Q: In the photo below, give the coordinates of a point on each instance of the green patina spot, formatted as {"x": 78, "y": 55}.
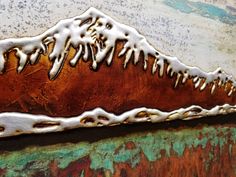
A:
{"x": 179, "y": 148}
{"x": 203, "y": 9}
{"x": 233, "y": 134}
{"x": 102, "y": 154}
{"x": 77, "y": 153}
{"x": 126, "y": 155}
{"x": 153, "y": 145}
{"x": 200, "y": 142}
{"x": 40, "y": 157}
{"x": 105, "y": 153}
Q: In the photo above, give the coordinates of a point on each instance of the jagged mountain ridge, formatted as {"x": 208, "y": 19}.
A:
{"x": 93, "y": 29}
{"x": 96, "y": 33}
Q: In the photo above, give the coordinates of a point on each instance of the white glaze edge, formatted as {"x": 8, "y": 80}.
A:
{"x": 68, "y": 33}
{"x": 22, "y": 123}
{"x": 29, "y": 48}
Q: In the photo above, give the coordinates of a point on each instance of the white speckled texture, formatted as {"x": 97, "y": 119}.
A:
{"x": 12, "y": 123}
{"x": 83, "y": 33}
{"x": 197, "y": 40}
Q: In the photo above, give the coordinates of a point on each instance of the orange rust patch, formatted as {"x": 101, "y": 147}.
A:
{"x": 113, "y": 88}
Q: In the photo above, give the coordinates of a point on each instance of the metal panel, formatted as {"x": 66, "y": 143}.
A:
{"x": 179, "y": 148}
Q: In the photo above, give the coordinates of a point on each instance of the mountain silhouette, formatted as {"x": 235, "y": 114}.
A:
{"x": 120, "y": 78}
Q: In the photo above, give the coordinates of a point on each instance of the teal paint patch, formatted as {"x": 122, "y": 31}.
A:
{"x": 203, "y": 9}
{"x": 102, "y": 155}
{"x": 78, "y": 152}
{"x": 153, "y": 145}
{"x": 179, "y": 148}
{"x": 41, "y": 157}
{"x": 105, "y": 153}
{"x": 132, "y": 156}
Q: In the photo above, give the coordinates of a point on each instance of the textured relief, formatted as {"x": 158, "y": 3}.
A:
{"x": 93, "y": 71}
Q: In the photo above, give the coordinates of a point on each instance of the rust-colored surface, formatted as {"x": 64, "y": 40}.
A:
{"x": 205, "y": 148}
{"x": 113, "y": 88}
{"x": 192, "y": 163}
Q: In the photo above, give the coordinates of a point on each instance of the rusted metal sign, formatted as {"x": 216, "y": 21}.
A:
{"x": 91, "y": 71}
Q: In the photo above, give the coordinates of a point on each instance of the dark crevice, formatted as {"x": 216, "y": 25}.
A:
{"x": 2, "y": 129}
{"x": 99, "y": 133}
{"x": 46, "y": 124}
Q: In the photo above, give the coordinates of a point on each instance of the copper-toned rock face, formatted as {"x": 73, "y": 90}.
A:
{"x": 93, "y": 71}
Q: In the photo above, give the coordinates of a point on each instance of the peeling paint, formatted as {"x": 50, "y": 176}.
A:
{"x": 105, "y": 154}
